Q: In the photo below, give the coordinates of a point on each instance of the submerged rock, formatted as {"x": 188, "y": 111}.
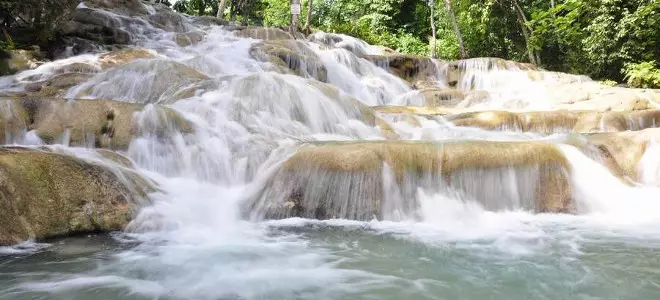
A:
{"x": 45, "y": 195}
{"x": 364, "y": 180}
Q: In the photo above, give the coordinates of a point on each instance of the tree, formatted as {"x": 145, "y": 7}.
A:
{"x": 309, "y": 15}
{"x": 457, "y": 29}
{"x": 432, "y": 18}
{"x": 221, "y": 9}
{"x": 294, "y": 18}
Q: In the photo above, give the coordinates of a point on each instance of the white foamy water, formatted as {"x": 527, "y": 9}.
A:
{"x": 191, "y": 240}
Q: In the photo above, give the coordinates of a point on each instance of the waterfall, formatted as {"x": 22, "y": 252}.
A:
{"x": 241, "y": 139}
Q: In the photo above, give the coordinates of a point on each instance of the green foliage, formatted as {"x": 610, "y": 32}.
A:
{"x": 247, "y": 12}
{"x": 598, "y": 37}
{"x": 608, "y": 82}
{"x": 642, "y": 75}
{"x": 5, "y": 46}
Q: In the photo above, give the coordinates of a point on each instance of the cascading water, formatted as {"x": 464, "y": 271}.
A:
{"x": 258, "y": 143}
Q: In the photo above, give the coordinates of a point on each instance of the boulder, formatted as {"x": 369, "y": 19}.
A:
{"x": 365, "y": 180}
{"x": 291, "y": 55}
{"x": 97, "y": 26}
{"x": 45, "y": 195}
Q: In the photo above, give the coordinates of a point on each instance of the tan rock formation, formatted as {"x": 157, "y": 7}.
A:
{"x": 291, "y": 55}
{"x": 99, "y": 123}
{"x": 121, "y": 57}
{"x": 347, "y": 180}
{"x": 262, "y": 33}
{"x": 45, "y": 195}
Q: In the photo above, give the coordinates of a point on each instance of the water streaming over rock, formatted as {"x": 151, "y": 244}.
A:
{"x": 414, "y": 199}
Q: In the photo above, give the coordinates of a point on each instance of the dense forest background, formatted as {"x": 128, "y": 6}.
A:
{"x": 606, "y": 39}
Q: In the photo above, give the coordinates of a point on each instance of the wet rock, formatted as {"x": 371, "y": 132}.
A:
{"x": 558, "y": 121}
{"x": 594, "y": 96}
{"x": 142, "y": 81}
{"x": 354, "y": 45}
{"x": 167, "y": 20}
{"x": 45, "y": 195}
{"x": 58, "y": 85}
{"x": 425, "y": 83}
{"x": 188, "y": 38}
{"x": 416, "y": 110}
{"x": 621, "y": 152}
{"x": 292, "y": 55}
{"x": 97, "y": 26}
{"x": 98, "y": 123}
{"x": 13, "y": 61}
{"x": 442, "y": 97}
{"x": 407, "y": 67}
{"x": 346, "y": 179}
{"x": 78, "y": 67}
{"x": 262, "y": 33}
{"x": 121, "y": 57}
{"x": 123, "y": 7}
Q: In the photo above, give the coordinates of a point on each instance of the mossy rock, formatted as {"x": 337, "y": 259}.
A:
{"x": 407, "y": 67}
{"x": 121, "y": 57}
{"x": 622, "y": 151}
{"x": 262, "y": 33}
{"x": 559, "y": 121}
{"x": 291, "y": 55}
{"x": 162, "y": 81}
{"x": 346, "y": 179}
{"x": 98, "y": 123}
{"x": 45, "y": 195}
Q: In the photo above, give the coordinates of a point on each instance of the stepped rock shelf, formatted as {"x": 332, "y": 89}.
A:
{"x": 342, "y": 129}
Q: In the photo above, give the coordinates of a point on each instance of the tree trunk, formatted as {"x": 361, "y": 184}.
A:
{"x": 37, "y": 14}
{"x": 552, "y": 3}
{"x": 294, "y": 19}
{"x": 433, "y": 42}
{"x": 308, "y": 22}
{"x": 222, "y": 4}
{"x": 202, "y": 7}
{"x": 461, "y": 45}
{"x": 526, "y": 31}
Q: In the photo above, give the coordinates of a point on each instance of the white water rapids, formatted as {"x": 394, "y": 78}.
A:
{"x": 192, "y": 242}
